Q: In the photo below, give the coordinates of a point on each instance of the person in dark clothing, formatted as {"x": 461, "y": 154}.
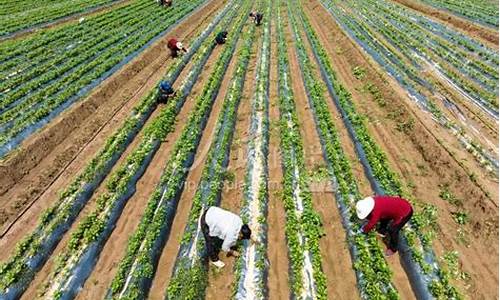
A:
{"x": 257, "y": 17}
{"x": 390, "y": 212}
{"x": 165, "y": 91}
{"x": 175, "y": 46}
{"x": 221, "y": 37}
{"x": 221, "y": 230}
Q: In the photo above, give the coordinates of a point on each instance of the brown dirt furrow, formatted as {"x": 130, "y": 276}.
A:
{"x": 169, "y": 254}
{"x": 485, "y": 34}
{"x": 277, "y": 251}
{"x": 423, "y": 159}
{"x": 44, "y": 157}
{"x": 220, "y": 283}
{"x": 337, "y": 263}
{"x": 130, "y": 217}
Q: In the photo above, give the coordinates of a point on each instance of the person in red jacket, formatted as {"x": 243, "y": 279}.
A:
{"x": 391, "y": 212}
{"x": 175, "y": 46}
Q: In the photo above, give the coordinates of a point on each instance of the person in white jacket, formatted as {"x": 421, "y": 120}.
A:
{"x": 222, "y": 229}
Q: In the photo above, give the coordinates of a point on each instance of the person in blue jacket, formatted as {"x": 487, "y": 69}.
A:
{"x": 165, "y": 91}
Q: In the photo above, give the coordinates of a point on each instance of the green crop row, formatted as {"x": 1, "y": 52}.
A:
{"x": 482, "y": 12}
{"x": 408, "y": 78}
{"x": 251, "y": 264}
{"x": 303, "y": 224}
{"x": 374, "y": 275}
{"x": 387, "y": 179}
{"x": 189, "y": 279}
{"x": 14, "y": 19}
{"x": 65, "y": 208}
{"x": 396, "y": 27}
{"x": 56, "y": 87}
{"x": 139, "y": 261}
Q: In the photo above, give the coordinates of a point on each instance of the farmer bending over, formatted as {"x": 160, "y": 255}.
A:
{"x": 222, "y": 229}
{"x": 392, "y": 213}
{"x": 165, "y": 91}
{"x": 175, "y": 46}
{"x": 257, "y": 17}
{"x": 221, "y": 37}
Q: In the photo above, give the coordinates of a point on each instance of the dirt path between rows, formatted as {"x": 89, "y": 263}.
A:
{"x": 171, "y": 248}
{"x": 220, "y": 283}
{"x": 485, "y": 34}
{"x": 43, "y": 158}
{"x": 419, "y": 156}
{"x": 277, "y": 250}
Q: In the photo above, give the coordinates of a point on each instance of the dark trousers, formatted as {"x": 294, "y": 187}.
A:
{"x": 213, "y": 243}
{"x": 174, "y": 53}
{"x": 392, "y": 232}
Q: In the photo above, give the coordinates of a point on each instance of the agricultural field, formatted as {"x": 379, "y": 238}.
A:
{"x": 287, "y": 124}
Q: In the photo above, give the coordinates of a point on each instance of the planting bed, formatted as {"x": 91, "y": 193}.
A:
{"x": 287, "y": 124}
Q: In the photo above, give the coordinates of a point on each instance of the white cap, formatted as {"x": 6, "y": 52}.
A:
{"x": 364, "y": 207}
{"x": 178, "y": 45}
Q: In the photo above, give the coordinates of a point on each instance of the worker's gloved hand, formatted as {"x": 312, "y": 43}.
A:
{"x": 233, "y": 253}
{"x": 361, "y": 230}
{"x": 219, "y": 264}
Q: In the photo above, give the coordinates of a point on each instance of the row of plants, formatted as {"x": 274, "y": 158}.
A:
{"x": 61, "y": 54}
{"x": 58, "y": 54}
{"x": 303, "y": 227}
{"x": 372, "y": 272}
{"x": 410, "y": 38}
{"x": 409, "y": 79}
{"x": 69, "y": 86}
{"x": 14, "y": 19}
{"x": 19, "y": 54}
{"x": 481, "y": 12}
{"x": 385, "y": 181}
{"x": 34, "y": 249}
{"x": 137, "y": 268}
{"x": 30, "y": 91}
{"x": 87, "y": 240}
{"x": 251, "y": 267}
{"x": 461, "y": 67}
{"x": 190, "y": 274}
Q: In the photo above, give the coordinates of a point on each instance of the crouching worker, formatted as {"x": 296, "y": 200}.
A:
{"x": 392, "y": 213}
{"x": 175, "y": 46}
{"x": 257, "y": 17}
{"x": 222, "y": 229}
{"x": 165, "y": 91}
{"x": 221, "y": 37}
